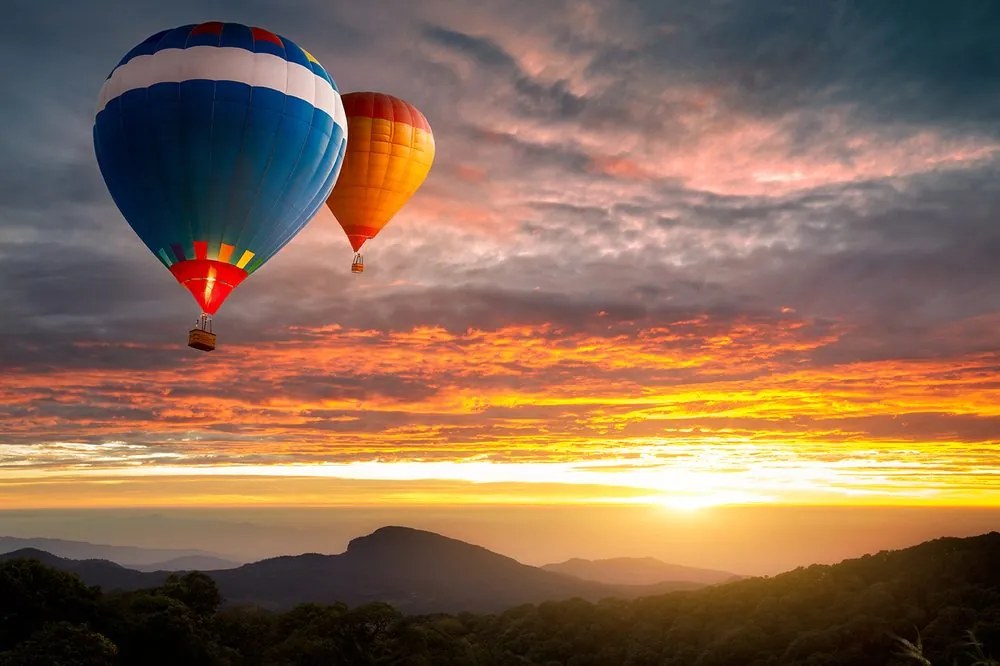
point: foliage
(62, 644)
(32, 595)
(936, 604)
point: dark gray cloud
(920, 62)
(533, 97)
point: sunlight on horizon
(739, 477)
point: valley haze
(753, 540)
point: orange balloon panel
(390, 149)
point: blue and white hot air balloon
(218, 142)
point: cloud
(646, 221)
(538, 391)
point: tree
(62, 644)
(153, 629)
(196, 590)
(247, 630)
(33, 595)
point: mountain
(638, 571)
(415, 571)
(129, 556)
(189, 563)
(107, 575)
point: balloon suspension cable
(358, 265)
(204, 323)
(201, 336)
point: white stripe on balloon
(214, 63)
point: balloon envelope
(218, 142)
(389, 154)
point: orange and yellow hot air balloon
(390, 149)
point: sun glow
(683, 478)
(694, 502)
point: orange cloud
(519, 392)
(687, 414)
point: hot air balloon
(389, 155)
(218, 142)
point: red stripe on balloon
(261, 35)
(384, 107)
(210, 28)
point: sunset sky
(677, 255)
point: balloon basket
(201, 336)
(358, 265)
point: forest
(937, 603)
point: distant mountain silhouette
(128, 556)
(416, 571)
(108, 575)
(189, 563)
(638, 571)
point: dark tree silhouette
(62, 644)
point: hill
(414, 570)
(847, 613)
(108, 575)
(128, 556)
(189, 563)
(638, 571)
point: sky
(695, 258)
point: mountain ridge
(127, 556)
(638, 571)
(415, 570)
(421, 572)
